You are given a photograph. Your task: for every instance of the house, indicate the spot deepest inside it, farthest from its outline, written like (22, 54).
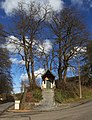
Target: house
(48, 80)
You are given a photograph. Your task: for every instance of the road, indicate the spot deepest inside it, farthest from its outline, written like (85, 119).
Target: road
(5, 106)
(82, 112)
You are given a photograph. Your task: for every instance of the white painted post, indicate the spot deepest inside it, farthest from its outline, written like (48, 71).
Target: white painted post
(17, 102)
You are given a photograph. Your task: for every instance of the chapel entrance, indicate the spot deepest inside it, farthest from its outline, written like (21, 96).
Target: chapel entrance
(48, 84)
(48, 80)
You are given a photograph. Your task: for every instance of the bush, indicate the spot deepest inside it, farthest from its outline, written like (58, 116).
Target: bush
(62, 96)
(37, 94)
(66, 92)
(18, 96)
(10, 98)
(29, 97)
(34, 96)
(58, 96)
(87, 92)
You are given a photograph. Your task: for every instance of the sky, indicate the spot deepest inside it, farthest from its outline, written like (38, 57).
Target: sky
(6, 12)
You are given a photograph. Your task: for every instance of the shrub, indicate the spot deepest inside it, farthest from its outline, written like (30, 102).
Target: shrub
(37, 94)
(87, 92)
(18, 96)
(66, 92)
(29, 97)
(34, 95)
(9, 98)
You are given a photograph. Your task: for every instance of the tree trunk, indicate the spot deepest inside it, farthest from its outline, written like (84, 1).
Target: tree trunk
(29, 76)
(32, 66)
(27, 62)
(59, 72)
(33, 76)
(22, 104)
(64, 77)
(60, 61)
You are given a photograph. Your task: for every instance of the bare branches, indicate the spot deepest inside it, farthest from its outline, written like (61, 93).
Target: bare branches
(27, 26)
(71, 34)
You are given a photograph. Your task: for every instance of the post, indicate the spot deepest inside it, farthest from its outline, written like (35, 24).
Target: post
(17, 103)
(80, 87)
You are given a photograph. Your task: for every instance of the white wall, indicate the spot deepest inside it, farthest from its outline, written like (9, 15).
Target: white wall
(44, 85)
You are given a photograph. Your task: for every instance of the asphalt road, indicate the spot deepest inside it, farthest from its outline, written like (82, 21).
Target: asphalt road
(82, 112)
(5, 106)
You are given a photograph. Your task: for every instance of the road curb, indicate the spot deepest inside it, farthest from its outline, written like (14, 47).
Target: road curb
(55, 108)
(62, 107)
(80, 103)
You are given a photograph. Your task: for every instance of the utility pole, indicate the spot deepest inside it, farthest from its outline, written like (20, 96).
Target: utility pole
(80, 87)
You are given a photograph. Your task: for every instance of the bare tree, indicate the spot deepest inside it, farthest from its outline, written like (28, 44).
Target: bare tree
(6, 83)
(47, 58)
(71, 34)
(27, 24)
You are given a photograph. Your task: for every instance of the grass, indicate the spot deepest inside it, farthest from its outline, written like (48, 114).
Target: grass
(87, 92)
(66, 96)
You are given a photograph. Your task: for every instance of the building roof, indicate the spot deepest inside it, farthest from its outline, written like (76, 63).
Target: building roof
(48, 74)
